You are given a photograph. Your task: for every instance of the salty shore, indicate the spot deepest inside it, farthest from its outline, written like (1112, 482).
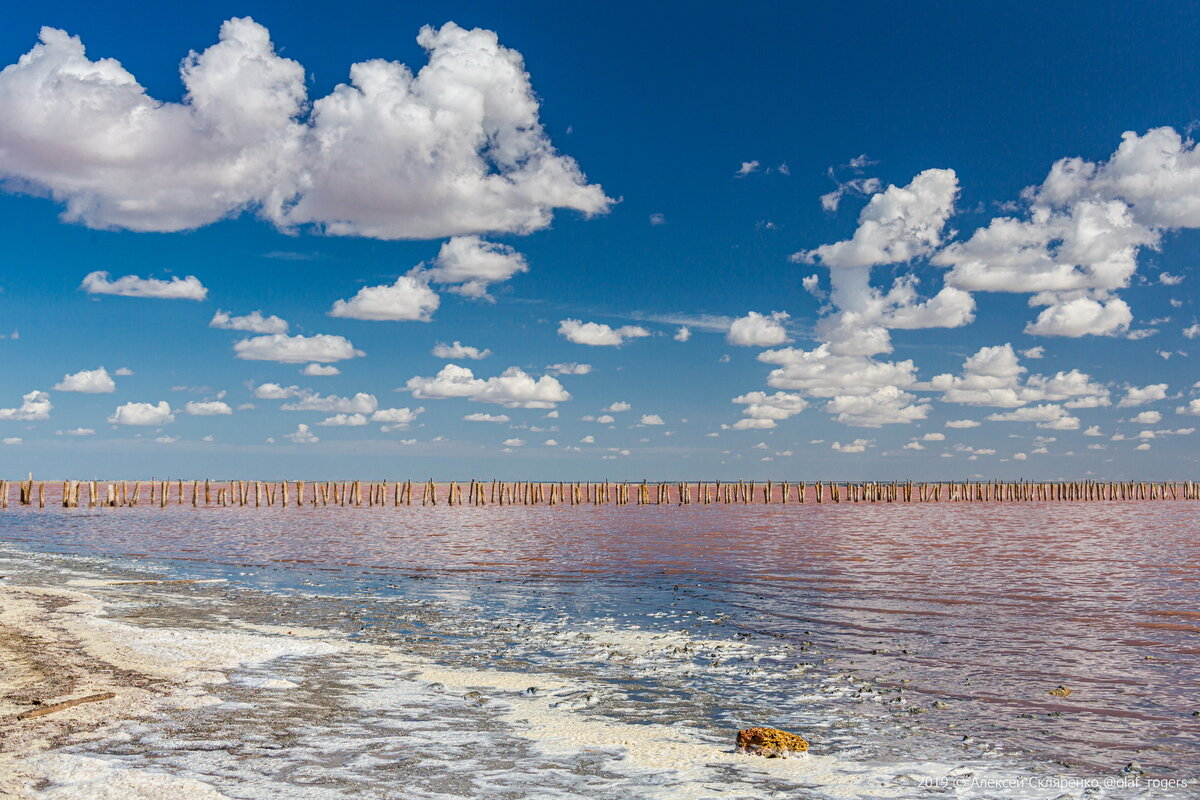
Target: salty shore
(222, 690)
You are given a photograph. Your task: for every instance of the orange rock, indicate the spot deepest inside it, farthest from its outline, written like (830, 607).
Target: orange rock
(1061, 691)
(770, 742)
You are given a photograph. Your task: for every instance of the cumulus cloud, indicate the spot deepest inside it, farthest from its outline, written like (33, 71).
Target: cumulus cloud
(857, 446)
(569, 368)
(512, 388)
(764, 410)
(397, 418)
(480, 417)
(618, 407)
(1140, 396)
(962, 423)
(897, 225)
(254, 322)
(144, 414)
(320, 370)
(273, 391)
(1080, 316)
(302, 435)
(758, 330)
(360, 403)
(459, 350)
(887, 405)
(472, 265)
(188, 288)
(1083, 228)
(649, 419)
(35, 406)
(89, 381)
(514, 442)
(1047, 415)
(207, 409)
(597, 334)
(993, 376)
(456, 148)
(322, 347)
(1146, 418)
(409, 298)
(338, 420)
(76, 432)
(682, 334)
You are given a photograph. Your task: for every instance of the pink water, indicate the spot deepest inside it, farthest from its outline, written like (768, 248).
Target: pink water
(984, 606)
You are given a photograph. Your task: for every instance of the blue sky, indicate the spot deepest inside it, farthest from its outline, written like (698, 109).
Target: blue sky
(625, 166)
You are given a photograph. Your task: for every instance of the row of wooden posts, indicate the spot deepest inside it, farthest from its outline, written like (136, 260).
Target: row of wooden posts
(93, 494)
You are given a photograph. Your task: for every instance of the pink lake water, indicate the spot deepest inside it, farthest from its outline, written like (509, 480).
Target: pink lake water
(981, 608)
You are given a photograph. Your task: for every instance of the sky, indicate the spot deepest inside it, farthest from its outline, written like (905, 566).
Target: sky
(544, 241)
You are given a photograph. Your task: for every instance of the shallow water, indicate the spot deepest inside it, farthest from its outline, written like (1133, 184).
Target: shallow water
(844, 622)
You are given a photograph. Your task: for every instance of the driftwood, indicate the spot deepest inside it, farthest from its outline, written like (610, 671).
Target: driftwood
(42, 711)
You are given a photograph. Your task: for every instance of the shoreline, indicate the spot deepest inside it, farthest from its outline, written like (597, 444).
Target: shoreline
(206, 683)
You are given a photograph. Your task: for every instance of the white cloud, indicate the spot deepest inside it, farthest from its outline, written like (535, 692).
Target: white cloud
(1193, 407)
(1167, 279)
(90, 381)
(589, 439)
(512, 388)
(887, 405)
(1093, 430)
(456, 148)
(322, 347)
(458, 350)
(166, 439)
(1146, 418)
(479, 417)
(146, 414)
(652, 419)
(1192, 331)
(551, 443)
(409, 298)
(302, 435)
(597, 334)
(857, 446)
(1034, 352)
(994, 377)
(1140, 396)
(360, 403)
(682, 334)
(35, 406)
(962, 423)
(397, 418)
(188, 288)
(320, 370)
(569, 368)
(474, 265)
(618, 407)
(820, 373)
(913, 445)
(514, 442)
(606, 419)
(1047, 415)
(273, 391)
(747, 168)
(123, 372)
(897, 225)
(76, 432)
(340, 420)
(1080, 316)
(758, 330)
(934, 437)
(764, 410)
(254, 322)
(13, 440)
(658, 219)
(207, 409)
